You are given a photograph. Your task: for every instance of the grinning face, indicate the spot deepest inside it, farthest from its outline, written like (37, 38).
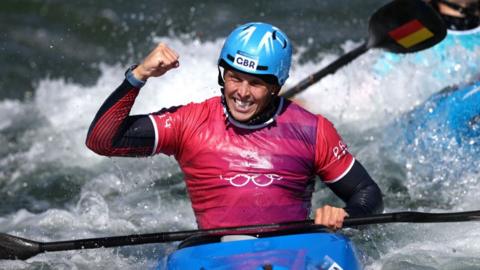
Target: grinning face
(246, 95)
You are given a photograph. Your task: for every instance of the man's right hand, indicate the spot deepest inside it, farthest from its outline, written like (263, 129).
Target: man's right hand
(158, 62)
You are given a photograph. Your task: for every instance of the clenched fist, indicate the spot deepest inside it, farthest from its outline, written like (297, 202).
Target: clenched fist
(158, 62)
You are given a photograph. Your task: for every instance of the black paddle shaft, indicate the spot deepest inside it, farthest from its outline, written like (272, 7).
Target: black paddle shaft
(12, 247)
(330, 69)
(413, 217)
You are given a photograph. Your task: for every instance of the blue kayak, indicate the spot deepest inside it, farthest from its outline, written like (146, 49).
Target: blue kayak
(448, 120)
(319, 250)
(450, 117)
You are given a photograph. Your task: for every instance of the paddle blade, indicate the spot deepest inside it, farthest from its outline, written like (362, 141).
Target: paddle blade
(12, 248)
(405, 26)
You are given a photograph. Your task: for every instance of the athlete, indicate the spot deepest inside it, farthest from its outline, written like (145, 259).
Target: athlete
(248, 156)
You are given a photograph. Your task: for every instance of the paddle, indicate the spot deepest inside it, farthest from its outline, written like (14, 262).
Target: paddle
(13, 247)
(402, 26)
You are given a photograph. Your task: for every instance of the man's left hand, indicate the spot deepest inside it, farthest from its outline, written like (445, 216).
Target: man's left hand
(330, 217)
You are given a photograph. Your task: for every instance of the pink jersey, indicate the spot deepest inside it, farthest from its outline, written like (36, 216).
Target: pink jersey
(241, 177)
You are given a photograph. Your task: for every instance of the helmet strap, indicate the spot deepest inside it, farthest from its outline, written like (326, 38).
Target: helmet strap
(221, 82)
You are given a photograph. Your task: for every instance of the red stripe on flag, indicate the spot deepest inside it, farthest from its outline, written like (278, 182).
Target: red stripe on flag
(406, 29)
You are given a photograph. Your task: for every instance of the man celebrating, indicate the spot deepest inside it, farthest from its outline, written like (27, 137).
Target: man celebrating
(249, 156)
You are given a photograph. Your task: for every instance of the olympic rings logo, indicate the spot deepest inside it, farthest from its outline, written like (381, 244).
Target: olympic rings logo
(261, 180)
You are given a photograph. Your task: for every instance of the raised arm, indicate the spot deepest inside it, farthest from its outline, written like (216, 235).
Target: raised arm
(113, 131)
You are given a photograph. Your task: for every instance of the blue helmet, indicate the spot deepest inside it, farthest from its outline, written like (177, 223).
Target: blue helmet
(258, 49)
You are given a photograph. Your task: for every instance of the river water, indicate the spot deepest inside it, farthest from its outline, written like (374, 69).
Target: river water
(61, 59)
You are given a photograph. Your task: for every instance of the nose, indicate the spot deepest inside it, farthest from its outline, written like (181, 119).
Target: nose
(243, 89)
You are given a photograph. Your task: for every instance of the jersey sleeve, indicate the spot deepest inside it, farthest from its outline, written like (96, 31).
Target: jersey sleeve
(167, 124)
(332, 159)
(175, 126)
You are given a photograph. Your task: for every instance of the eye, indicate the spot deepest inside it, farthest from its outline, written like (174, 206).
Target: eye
(234, 78)
(257, 83)
(231, 77)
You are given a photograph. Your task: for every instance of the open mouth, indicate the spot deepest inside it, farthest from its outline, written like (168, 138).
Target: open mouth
(242, 105)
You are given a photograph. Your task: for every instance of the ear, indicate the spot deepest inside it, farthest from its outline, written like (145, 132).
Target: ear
(275, 89)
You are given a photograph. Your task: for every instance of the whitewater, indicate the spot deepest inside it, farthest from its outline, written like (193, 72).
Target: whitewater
(53, 188)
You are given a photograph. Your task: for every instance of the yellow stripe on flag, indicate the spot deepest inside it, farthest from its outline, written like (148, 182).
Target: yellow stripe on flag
(415, 37)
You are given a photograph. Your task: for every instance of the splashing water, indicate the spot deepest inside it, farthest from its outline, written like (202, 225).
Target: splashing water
(55, 189)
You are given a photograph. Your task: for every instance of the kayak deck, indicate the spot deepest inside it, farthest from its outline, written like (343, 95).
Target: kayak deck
(299, 251)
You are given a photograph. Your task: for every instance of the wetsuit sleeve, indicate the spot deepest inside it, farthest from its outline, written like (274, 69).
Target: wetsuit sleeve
(114, 132)
(360, 193)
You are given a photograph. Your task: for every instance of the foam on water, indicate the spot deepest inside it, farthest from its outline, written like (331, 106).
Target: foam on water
(454, 246)
(46, 156)
(358, 94)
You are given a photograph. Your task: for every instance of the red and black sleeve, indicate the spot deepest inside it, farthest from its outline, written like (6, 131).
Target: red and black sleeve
(114, 132)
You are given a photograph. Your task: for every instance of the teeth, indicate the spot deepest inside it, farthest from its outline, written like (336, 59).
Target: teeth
(243, 103)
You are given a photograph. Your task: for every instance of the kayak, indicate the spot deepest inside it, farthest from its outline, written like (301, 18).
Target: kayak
(447, 121)
(319, 250)
(448, 118)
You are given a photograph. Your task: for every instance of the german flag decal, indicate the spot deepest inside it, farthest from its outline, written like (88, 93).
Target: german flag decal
(410, 34)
